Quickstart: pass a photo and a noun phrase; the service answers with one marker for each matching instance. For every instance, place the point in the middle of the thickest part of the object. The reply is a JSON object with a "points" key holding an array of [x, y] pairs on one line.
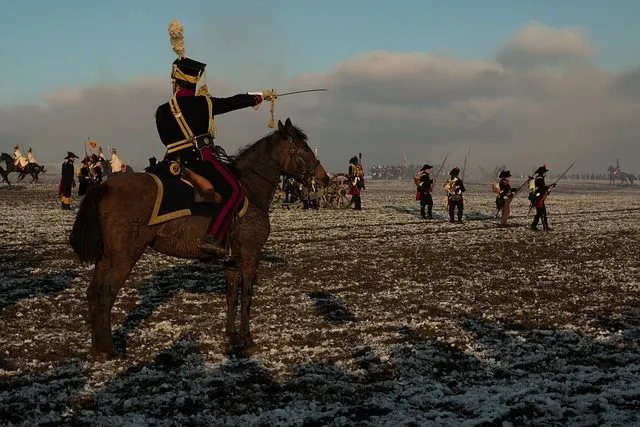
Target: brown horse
{"points": [[111, 230]]}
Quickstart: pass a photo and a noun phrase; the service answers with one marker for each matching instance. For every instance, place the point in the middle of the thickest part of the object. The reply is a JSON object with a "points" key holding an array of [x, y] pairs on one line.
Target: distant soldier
{"points": [[153, 162], [67, 181], [116, 163], [538, 198], [424, 189], [455, 188], [85, 181], [356, 182], [505, 195]]}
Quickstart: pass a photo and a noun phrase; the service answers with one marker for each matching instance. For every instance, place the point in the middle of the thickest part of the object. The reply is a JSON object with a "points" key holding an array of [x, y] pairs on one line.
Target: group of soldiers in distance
{"points": [[91, 173], [454, 188]]}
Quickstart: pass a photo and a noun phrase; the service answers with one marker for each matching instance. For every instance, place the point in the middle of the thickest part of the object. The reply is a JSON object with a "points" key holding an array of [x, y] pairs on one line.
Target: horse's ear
{"points": [[280, 126], [288, 124]]}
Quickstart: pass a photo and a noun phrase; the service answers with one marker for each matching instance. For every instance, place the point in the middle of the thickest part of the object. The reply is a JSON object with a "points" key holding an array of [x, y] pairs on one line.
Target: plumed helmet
{"points": [[354, 160], [505, 174], [184, 69], [455, 171], [15, 147], [426, 166]]}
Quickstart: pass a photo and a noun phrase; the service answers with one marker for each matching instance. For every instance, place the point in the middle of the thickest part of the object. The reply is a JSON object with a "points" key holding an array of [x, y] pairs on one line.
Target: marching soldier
{"points": [[67, 181], [356, 182], [425, 187], [186, 127], [455, 188], [503, 200], [539, 196]]}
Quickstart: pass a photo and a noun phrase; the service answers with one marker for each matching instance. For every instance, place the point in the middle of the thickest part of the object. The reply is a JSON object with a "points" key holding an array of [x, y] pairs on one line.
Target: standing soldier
{"points": [[356, 182], [503, 200], [67, 181], [425, 187], [539, 196], [455, 188], [186, 127]]}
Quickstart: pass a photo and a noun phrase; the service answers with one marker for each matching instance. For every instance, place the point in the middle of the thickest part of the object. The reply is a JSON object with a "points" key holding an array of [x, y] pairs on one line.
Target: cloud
{"points": [[538, 44], [559, 109]]}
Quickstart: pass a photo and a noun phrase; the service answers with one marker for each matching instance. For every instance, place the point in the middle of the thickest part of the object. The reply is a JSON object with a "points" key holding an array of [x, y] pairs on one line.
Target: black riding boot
{"points": [[209, 244], [358, 202], [536, 219], [422, 214], [430, 211], [545, 222], [452, 209], [460, 213]]}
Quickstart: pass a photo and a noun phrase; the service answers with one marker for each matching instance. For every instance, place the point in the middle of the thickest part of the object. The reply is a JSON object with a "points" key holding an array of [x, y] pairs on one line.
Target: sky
{"points": [[520, 82]]}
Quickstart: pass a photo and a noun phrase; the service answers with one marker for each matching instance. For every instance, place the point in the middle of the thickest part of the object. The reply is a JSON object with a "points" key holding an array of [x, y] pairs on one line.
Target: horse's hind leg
{"points": [[249, 268]]}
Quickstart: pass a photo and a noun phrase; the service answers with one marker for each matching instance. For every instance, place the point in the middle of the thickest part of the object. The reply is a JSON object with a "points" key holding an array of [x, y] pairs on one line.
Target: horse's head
{"points": [[4, 157], [297, 158]]}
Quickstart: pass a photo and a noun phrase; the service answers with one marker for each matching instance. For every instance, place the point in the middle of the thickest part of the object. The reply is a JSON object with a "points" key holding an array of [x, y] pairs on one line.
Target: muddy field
{"points": [[363, 318]]}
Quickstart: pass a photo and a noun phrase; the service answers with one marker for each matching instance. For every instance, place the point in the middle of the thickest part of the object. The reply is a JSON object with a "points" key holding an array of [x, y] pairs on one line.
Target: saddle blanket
{"points": [[175, 199]]}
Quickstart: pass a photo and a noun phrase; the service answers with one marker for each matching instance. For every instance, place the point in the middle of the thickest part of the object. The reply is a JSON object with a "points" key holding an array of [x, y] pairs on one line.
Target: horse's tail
{"points": [[86, 235]]}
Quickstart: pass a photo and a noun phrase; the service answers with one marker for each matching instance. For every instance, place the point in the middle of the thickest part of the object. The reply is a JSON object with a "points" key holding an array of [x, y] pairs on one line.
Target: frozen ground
{"points": [[363, 318]]}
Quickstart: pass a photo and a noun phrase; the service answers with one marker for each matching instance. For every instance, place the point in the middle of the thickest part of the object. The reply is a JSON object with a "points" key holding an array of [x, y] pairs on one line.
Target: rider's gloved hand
{"points": [[258, 96]]}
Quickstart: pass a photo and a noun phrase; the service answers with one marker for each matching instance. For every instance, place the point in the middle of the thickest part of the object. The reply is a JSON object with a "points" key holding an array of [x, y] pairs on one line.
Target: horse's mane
{"points": [[248, 150]]}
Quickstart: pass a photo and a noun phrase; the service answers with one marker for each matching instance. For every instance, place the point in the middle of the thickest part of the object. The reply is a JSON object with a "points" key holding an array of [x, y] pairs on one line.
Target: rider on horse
{"points": [[30, 157], [19, 160], [186, 127]]}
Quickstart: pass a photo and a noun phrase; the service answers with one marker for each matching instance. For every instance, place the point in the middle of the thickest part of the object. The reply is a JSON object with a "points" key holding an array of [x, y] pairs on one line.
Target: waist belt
{"points": [[200, 142]]}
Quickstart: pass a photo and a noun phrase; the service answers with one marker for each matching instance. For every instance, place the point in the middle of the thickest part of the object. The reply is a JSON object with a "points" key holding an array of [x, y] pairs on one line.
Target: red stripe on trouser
{"points": [[223, 219]]}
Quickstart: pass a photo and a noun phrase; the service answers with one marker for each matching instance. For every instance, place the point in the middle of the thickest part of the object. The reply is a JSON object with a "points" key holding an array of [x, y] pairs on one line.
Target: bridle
{"points": [[295, 156]]}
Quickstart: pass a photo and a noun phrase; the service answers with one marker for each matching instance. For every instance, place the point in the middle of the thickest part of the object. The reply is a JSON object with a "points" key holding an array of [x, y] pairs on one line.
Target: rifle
{"points": [[441, 166], [464, 166], [553, 184]]}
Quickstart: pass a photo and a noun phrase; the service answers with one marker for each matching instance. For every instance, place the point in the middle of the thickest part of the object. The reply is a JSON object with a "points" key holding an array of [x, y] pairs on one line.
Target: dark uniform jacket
{"points": [[195, 111], [505, 188], [67, 179], [426, 183]]}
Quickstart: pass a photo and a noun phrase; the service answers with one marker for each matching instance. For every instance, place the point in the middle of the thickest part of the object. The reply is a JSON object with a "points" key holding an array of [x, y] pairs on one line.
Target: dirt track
{"points": [[363, 318]]}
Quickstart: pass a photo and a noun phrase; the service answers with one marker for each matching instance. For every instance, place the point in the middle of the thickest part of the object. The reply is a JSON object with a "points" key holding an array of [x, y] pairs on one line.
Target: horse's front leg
{"points": [[249, 268], [233, 278]]}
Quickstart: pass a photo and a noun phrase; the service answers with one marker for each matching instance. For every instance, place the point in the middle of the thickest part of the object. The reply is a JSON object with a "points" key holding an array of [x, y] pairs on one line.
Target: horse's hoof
{"points": [[250, 347], [104, 354]]}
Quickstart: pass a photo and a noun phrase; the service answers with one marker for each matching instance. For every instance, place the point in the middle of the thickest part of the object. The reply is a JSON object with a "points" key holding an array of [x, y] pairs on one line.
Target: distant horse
{"points": [[4, 175], [111, 230], [626, 178], [32, 169]]}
